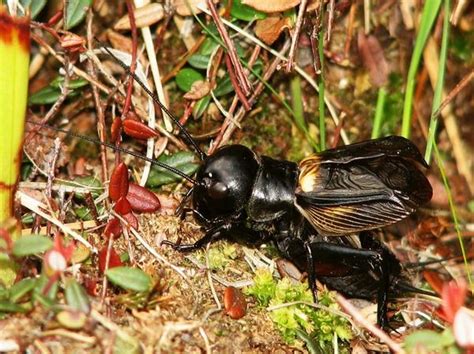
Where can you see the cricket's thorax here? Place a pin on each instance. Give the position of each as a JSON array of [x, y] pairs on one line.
[[273, 192]]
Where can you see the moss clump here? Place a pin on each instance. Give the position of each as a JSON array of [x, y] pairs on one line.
[[318, 325]]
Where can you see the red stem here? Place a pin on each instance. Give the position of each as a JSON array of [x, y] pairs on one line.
[[133, 64]]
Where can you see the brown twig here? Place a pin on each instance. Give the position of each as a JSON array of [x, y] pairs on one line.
[[314, 40], [57, 105], [296, 35], [107, 261], [454, 92], [330, 20], [350, 30], [133, 64], [239, 72], [216, 62], [160, 34], [95, 93], [233, 106], [458, 11], [75, 69], [258, 90], [182, 62], [236, 85], [357, 316], [337, 132], [52, 169]]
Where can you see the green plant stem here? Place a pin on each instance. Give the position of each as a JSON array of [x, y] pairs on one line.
[[378, 119], [454, 214], [439, 84], [428, 17]]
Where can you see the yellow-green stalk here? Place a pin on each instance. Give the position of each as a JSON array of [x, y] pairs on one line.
[[14, 61]]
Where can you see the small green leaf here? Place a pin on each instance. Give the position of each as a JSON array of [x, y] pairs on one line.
[[224, 87], [201, 106], [245, 12], [10, 307], [429, 340], [187, 77], [83, 213], [21, 288], [35, 6], [76, 296], [470, 206], [208, 46], [76, 11], [80, 254], [199, 61], [129, 278], [72, 319], [32, 244], [39, 295], [4, 257], [310, 342], [183, 161], [52, 92], [126, 345], [47, 95], [88, 182], [45, 301], [58, 82]]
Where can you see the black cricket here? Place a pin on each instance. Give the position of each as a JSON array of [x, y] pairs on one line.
[[302, 208], [318, 213]]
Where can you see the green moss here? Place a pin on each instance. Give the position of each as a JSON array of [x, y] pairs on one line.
[[220, 256], [319, 325]]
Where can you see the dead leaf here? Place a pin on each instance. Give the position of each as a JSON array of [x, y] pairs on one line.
[[144, 16], [119, 41], [313, 5], [198, 90], [188, 7], [270, 28], [373, 58], [271, 6]]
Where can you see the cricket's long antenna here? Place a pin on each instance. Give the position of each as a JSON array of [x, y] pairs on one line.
[[191, 141], [117, 148]]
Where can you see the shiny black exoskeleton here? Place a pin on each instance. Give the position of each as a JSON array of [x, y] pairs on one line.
[[302, 207]]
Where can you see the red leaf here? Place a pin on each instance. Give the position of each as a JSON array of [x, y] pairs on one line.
[[73, 43], [142, 200], [138, 130], [115, 129], [234, 303], [66, 251], [122, 206], [114, 260], [373, 58], [434, 280], [113, 229], [132, 220], [118, 186], [90, 284], [454, 296]]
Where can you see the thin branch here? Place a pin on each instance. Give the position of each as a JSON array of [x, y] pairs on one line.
[[454, 92], [98, 106], [133, 64], [296, 35], [235, 83], [239, 71], [357, 316]]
